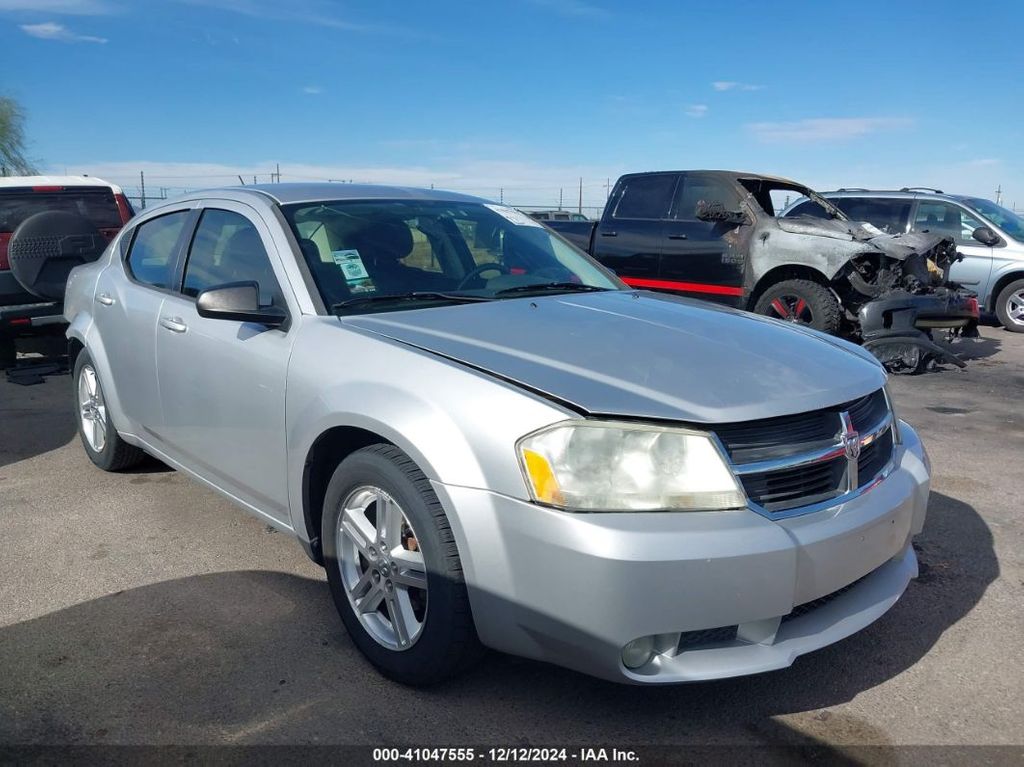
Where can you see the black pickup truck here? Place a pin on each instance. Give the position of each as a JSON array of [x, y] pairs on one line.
[[717, 235]]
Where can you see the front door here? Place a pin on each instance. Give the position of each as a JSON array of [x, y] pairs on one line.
[[222, 382], [704, 259], [948, 219]]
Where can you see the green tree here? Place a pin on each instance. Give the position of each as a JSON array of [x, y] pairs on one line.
[[12, 139]]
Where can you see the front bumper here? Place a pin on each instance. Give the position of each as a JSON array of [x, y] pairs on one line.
[[573, 589]]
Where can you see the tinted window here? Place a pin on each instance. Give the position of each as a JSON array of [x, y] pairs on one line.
[[228, 248], [151, 258], [694, 189], [97, 205], [947, 219], [810, 208], [888, 215], [645, 197]]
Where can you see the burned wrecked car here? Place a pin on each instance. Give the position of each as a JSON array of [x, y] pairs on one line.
[[718, 235]]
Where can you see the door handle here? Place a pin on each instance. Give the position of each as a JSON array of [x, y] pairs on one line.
[[105, 298], [174, 324], [609, 234], [677, 237]]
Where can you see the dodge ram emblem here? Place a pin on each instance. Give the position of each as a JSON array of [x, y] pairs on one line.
[[850, 440]]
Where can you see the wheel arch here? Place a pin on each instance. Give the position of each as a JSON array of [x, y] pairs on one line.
[[328, 450], [1000, 283], [785, 272]]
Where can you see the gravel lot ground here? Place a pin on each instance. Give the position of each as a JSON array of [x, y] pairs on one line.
[[140, 608]]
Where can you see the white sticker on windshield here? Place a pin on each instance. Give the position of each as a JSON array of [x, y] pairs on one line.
[[514, 216], [351, 264]]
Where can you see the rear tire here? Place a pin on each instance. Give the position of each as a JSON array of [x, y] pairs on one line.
[[1010, 307], [802, 302], [100, 439], [414, 635]]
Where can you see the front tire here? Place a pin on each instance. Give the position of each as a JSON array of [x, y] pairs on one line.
[[802, 302], [100, 439], [394, 569], [1010, 307]]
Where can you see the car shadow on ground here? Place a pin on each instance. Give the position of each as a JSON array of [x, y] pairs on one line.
[[261, 657], [31, 421]]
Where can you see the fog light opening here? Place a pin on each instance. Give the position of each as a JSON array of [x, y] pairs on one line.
[[638, 652]]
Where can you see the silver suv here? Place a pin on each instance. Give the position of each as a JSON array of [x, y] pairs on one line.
[[989, 236]]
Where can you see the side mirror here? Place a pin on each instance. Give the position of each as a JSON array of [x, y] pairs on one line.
[[239, 301], [716, 211], [986, 236]]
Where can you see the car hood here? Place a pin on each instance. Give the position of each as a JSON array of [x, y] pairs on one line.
[[641, 354], [863, 237]]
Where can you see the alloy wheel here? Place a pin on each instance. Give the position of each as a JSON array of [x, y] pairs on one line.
[[92, 409], [1015, 307], [792, 309], [382, 567]]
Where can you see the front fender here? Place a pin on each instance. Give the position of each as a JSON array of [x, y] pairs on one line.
[[459, 425]]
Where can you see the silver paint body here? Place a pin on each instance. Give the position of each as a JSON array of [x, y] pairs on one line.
[[238, 407]]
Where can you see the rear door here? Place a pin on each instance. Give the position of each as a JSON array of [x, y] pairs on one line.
[[222, 382], [126, 305], [941, 217], [703, 258], [629, 239]]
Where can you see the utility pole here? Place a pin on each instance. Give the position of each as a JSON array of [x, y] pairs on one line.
[[142, 187], [253, 178], [581, 196], [278, 174], [607, 189], [559, 198], [501, 195], [999, 194]]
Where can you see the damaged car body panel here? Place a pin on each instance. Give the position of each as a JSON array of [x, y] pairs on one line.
[[720, 236]]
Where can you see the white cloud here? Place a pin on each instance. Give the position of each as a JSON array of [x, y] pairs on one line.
[[70, 7], [731, 85], [825, 128], [697, 110], [312, 90], [50, 30]]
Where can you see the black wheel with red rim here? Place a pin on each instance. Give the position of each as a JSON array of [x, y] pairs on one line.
[[802, 302]]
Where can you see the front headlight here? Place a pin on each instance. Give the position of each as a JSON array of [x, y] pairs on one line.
[[601, 466]]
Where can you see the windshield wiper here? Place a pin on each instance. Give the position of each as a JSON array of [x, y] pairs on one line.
[[425, 296], [560, 287]]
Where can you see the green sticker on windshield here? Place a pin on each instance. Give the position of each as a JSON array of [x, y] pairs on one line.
[[351, 265]]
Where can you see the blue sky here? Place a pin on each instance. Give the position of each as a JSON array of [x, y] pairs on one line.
[[524, 95]]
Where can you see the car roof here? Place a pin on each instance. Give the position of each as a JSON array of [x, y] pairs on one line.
[[897, 194], [733, 175], [285, 194], [30, 181]]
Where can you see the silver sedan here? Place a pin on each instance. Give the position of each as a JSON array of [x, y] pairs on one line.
[[489, 441]]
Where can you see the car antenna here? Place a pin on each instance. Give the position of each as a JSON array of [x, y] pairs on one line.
[[241, 180]]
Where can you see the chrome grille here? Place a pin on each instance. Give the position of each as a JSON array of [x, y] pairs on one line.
[[794, 462]]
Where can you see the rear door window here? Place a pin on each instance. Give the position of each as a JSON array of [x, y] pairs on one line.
[[96, 205], [645, 197], [151, 256]]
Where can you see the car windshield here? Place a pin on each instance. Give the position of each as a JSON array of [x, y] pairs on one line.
[[1010, 222], [363, 253]]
